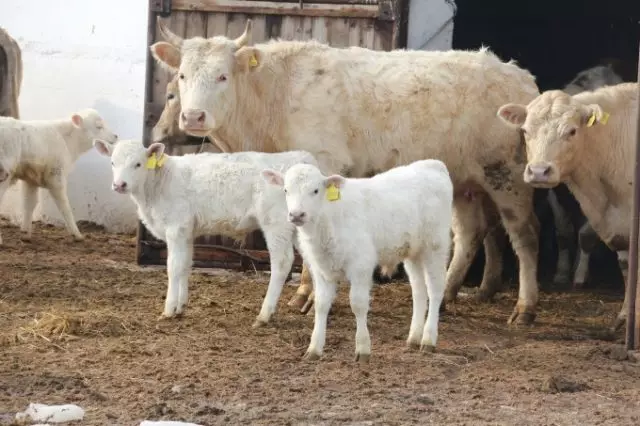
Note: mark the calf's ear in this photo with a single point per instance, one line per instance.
(248, 59)
(273, 177)
(593, 114)
(513, 115)
(166, 55)
(77, 120)
(335, 180)
(103, 147)
(157, 148)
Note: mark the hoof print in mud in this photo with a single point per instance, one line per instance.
(556, 384)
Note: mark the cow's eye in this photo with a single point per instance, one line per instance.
(138, 165)
(170, 96)
(181, 76)
(285, 191)
(222, 77)
(315, 191)
(572, 132)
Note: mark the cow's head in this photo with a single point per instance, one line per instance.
(306, 191)
(553, 124)
(206, 69)
(167, 125)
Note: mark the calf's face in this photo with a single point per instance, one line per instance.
(93, 125)
(129, 163)
(206, 70)
(553, 126)
(305, 189)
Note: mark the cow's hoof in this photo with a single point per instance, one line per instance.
(618, 323)
(483, 296)
(449, 297)
(311, 356)
(78, 237)
(362, 358)
(298, 301)
(521, 318)
(413, 345)
(307, 306)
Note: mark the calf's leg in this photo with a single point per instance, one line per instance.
(58, 191)
(303, 298)
(29, 201)
(4, 185)
(623, 262)
(280, 246)
(359, 295)
(414, 270)
(325, 292)
(179, 260)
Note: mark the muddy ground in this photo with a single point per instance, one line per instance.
(78, 324)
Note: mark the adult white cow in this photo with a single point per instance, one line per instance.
(360, 111)
(587, 142)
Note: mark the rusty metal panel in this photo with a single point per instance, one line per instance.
(374, 24)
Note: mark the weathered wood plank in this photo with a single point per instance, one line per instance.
(279, 8)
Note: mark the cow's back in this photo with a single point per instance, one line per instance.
(369, 106)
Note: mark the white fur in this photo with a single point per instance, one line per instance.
(401, 215)
(41, 154)
(207, 194)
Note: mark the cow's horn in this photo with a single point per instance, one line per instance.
(168, 35)
(246, 35)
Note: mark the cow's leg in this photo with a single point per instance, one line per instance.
(515, 203)
(623, 262)
(494, 243)
(469, 229)
(304, 293)
(581, 269)
(29, 201)
(564, 237)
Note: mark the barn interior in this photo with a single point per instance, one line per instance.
(554, 40)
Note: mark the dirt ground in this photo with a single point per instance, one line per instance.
(79, 324)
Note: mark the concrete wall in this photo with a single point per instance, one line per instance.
(430, 24)
(78, 54)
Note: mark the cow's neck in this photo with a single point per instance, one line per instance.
(596, 182)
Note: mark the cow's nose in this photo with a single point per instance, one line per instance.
(538, 172)
(119, 187)
(296, 217)
(193, 118)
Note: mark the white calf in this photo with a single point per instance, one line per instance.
(41, 154)
(348, 226)
(180, 198)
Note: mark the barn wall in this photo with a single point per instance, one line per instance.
(85, 53)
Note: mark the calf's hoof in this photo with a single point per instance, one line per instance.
(483, 296)
(449, 296)
(78, 237)
(521, 318)
(258, 323)
(311, 356)
(427, 349)
(412, 344)
(578, 285)
(25, 238)
(308, 305)
(362, 358)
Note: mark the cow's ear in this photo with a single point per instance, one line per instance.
(249, 59)
(513, 114)
(593, 114)
(166, 55)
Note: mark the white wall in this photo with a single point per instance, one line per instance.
(430, 24)
(78, 54)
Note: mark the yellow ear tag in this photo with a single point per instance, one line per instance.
(333, 193)
(253, 62)
(153, 161)
(605, 118)
(592, 119)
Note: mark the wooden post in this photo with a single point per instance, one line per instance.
(633, 314)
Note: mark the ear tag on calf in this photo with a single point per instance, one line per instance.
(253, 62)
(333, 193)
(603, 120)
(153, 162)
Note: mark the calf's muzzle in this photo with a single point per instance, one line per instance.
(538, 172)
